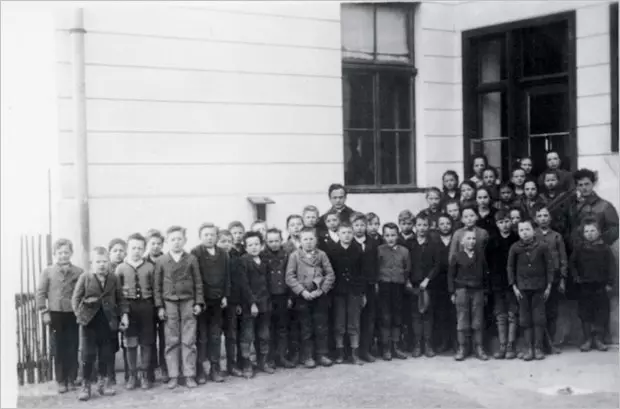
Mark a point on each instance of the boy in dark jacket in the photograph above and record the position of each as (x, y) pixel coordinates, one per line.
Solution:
(348, 294)
(555, 243)
(505, 307)
(179, 299)
(136, 279)
(424, 259)
(394, 265)
(556, 200)
(405, 224)
(328, 238)
(95, 301)
(373, 226)
(592, 264)
(275, 258)
(310, 276)
(154, 245)
(467, 282)
(530, 274)
(231, 314)
(433, 211)
(117, 250)
(369, 246)
(56, 286)
(214, 268)
(444, 312)
(255, 305)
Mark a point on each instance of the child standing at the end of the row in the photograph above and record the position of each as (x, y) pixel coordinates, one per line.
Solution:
(56, 286)
(592, 264)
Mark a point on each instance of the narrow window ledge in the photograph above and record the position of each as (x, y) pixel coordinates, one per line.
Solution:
(383, 189)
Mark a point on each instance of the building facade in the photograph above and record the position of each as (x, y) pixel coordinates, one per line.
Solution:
(193, 108)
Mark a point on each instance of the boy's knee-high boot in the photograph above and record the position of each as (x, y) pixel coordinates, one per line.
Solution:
(598, 332)
(132, 363)
(501, 334)
(551, 330)
(539, 338)
(397, 352)
(512, 338)
(416, 335)
(479, 346)
(461, 339)
(281, 359)
(529, 350)
(231, 360)
(428, 339)
(308, 354)
(146, 359)
(587, 337)
(387, 350)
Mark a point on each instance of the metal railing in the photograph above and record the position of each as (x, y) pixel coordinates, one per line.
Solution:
(34, 344)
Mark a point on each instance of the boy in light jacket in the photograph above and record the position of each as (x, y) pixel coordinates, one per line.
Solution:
(310, 276)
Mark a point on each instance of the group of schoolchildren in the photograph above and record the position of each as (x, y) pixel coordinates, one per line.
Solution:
(340, 287)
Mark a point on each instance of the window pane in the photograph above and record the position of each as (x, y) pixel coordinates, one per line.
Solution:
(540, 145)
(395, 158)
(494, 115)
(392, 34)
(548, 112)
(394, 101)
(359, 158)
(357, 30)
(498, 153)
(545, 49)
(357, 93)
(491, 61)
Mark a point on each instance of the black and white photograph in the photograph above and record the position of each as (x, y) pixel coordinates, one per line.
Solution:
(310, 204)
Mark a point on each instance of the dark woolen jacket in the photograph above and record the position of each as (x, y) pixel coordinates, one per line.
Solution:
(424, 260)
(215, 272)
(276, 270)
(440, 282)
(468, 272)
(370, 263)
(253, 283)
(530, 265)
(348, 268)
(497, 251)
(593, 263)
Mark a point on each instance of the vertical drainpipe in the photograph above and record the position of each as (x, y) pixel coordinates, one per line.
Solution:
(77, 33)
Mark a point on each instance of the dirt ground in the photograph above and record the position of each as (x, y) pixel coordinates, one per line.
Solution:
(439, 382)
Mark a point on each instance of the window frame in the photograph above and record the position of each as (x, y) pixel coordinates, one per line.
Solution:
(376, 68)
(513, 83)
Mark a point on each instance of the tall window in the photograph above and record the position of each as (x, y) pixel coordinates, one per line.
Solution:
(518, 90)
(378, 79)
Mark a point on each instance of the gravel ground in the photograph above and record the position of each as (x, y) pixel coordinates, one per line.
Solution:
(421, 383)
